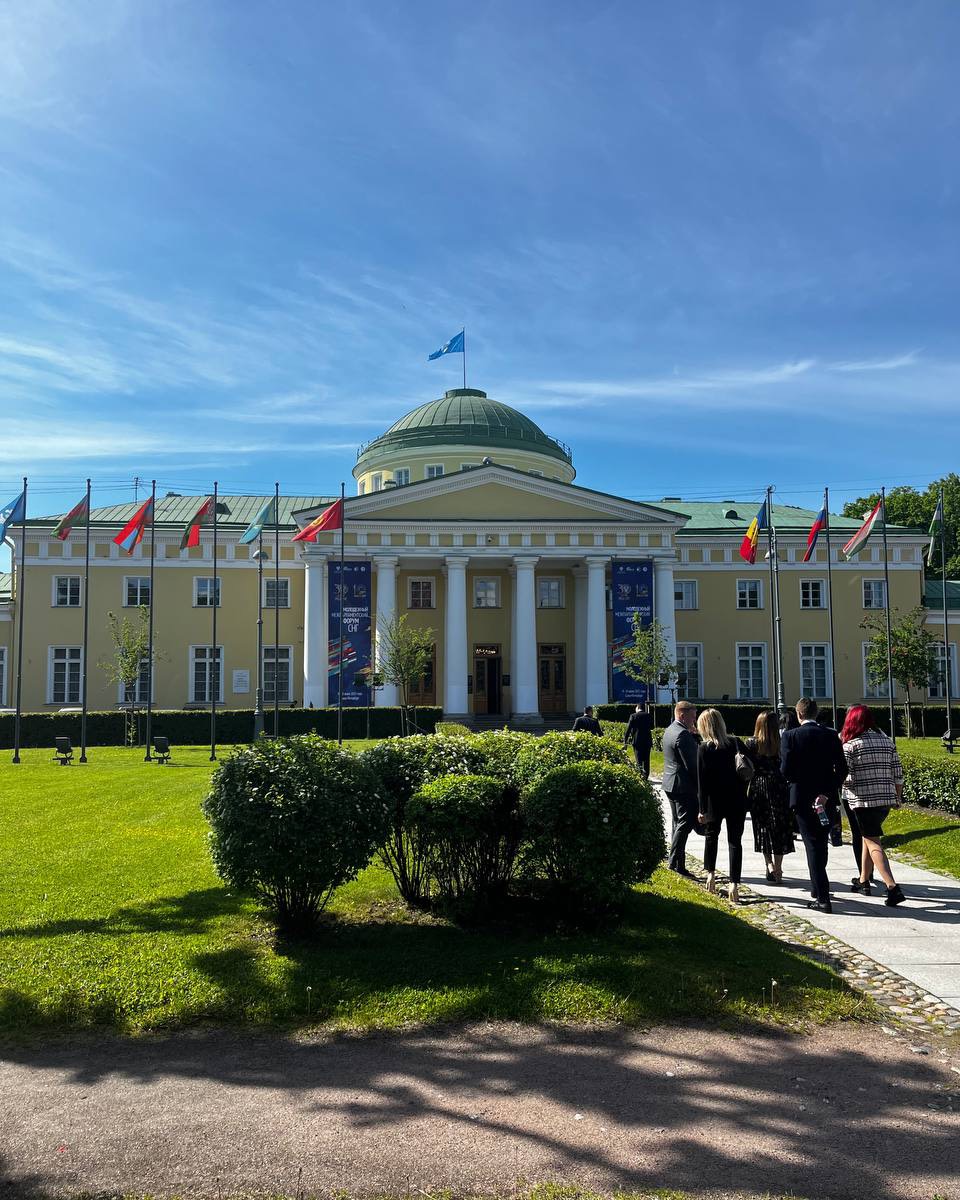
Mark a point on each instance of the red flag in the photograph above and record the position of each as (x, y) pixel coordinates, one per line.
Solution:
(78, 515)
(203, 516)
(132, 533)
(330, 518)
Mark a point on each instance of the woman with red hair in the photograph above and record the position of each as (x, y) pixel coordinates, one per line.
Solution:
(873, 786)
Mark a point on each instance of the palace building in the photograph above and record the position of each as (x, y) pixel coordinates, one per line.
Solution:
(467, 518)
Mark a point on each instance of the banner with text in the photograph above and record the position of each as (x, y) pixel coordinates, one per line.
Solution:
(353, 592)
(632, 586)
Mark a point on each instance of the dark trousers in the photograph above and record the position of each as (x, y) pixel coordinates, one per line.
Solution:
(816, 840)
(643, 760)
(854, 834)
(683, 810)
(711, 843)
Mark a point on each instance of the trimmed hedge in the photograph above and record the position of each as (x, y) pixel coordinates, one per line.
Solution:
(740, 718)
(931, 782)
(541, 754)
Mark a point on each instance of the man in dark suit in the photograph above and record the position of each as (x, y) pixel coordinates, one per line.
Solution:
(587, 723)
(813, 764)
(639, 735)
(680, 743)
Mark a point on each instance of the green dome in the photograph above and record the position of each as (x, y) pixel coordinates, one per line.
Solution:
(465, 417)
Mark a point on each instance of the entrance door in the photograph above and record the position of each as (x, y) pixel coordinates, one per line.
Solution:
(423, 693)
(486, 679)
(553, 678)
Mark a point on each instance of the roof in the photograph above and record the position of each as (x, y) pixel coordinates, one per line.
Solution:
(932, 594)
(711, 517)
(465, 417)
(177, 510)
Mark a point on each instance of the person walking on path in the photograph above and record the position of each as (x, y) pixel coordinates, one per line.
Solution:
(873, 786)
(680, 780)
(767, 796)
(639, 734)
(587, 723)
(814, 767)
(721, 796)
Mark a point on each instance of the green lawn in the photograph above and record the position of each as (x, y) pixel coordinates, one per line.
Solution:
(926, 748)
(927, 835)
(110, 913)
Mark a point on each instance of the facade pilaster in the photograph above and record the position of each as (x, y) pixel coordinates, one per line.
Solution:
(664, 612)
(386, 566)
(597, 672)
(455, 638)
(526, 694)
(580, 638)
(315, 633)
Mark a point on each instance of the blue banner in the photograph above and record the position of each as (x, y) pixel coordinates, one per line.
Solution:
(353, 592)
(632, 586)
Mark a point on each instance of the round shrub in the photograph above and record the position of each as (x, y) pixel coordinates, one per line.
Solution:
(543, 754)
(501, 749)
(592, 829)
(292, 820)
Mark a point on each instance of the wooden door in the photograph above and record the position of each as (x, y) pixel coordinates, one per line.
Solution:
(424, 691)
(553, 678)
(486, 679)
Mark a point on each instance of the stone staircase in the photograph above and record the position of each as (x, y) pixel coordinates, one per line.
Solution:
(481, 722)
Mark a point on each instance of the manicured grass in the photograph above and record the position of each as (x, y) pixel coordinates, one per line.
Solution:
(927, 835)
(926, 748)
(111, 913)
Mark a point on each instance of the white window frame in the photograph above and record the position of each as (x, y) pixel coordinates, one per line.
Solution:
(363, 487)
(873, 691)
(51, 655)
(191, 678)
(285, 583)
(263, 667)
(376, 481)
(196, 591)
(684, 693)
(54, 582)
(3, 676)
(495, 580)
(764, 681)
(422, 579)
(679, 604)
(121, 690)
(433, 471)
(401, 476)
(749, 583)
(938, 651)
(823, 595)
(141, 579)
(825, 647)
(881, 585)
(561, 591)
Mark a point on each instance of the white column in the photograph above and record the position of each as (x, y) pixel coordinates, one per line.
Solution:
(664, 612)
(455, 639)
(579, 637)
(513, 639)
(386, 612)
(597, 653)
(527, 697)
(315, 634)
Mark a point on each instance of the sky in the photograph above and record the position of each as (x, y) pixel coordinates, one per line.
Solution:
(712, 246)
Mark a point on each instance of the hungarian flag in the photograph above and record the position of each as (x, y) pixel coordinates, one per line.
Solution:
(266, 516)
(12, 513)
(330, 518)
(814, 533)
(748, 547)
(78, 515)
(859, 539)
(132, 533)
(204, 516)
(936, 527)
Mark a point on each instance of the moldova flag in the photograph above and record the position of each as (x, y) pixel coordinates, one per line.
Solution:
(814, 533)
(748, 547)
(132, 533)
(78, 515)
(330, 518)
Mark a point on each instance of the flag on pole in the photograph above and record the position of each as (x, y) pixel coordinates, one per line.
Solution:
(748, 547)
(204, 516)
(132, 533)
(454, 346)
(859, 539)
(936, 527)
(330, 518)
(814, 534)
(78, 515)
(266, 516)
(12, 513)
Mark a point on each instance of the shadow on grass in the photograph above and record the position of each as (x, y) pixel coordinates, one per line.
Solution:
(191, 913)
(892, 840)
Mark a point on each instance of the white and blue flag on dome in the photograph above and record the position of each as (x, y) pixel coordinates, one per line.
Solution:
(11, 513)
(454, 346)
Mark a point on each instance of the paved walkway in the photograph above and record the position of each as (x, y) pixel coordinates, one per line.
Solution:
(919, 940)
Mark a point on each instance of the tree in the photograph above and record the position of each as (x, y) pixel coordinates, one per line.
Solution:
(406, 653)
(907, 506)
(131, 648)
(649, 658)
(912, 653)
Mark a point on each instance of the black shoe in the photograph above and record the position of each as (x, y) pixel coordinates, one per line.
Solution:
(826, 907)
(894, 896)
(863, 888)
(683, 872)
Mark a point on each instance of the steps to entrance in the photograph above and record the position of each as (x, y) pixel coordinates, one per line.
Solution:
(482, 722)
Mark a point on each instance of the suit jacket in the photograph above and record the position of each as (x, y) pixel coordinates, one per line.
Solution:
(639, 731)
(585, 724)
(680, 759)
(813, 763)
(719, 792)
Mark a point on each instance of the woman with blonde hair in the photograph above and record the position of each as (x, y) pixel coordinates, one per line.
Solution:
(722, 797)
(768, 796)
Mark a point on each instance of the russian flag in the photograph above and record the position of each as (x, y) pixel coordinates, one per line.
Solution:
(814, 533)
(132, 533)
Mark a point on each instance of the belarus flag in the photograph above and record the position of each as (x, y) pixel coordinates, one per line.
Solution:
(132, 533)
(859, 539)
(78, 515)
(205, 515)
(330, 518)
(748, 547)
(814, 533)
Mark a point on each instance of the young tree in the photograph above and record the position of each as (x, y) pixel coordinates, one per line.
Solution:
(649, 657)
(912, 653)
(405, 656)
(131, 645)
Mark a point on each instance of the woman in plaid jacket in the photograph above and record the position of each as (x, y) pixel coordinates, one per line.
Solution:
(873, 786)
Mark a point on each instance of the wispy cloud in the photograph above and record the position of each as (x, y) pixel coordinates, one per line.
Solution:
(879, 364)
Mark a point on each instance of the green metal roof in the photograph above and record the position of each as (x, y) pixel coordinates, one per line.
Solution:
(711, 517)
(932, 594)
(465, 417)
(179, 510)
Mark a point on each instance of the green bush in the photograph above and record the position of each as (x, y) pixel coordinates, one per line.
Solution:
(501, 749)
(592, 829)
(931, 782)
(542, 754)
(453, 729)
(291, 820)
(470, 829)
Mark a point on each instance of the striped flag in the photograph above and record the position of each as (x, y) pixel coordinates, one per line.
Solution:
(78, 515)
(12, 513)
(936, 527)
(132, 533)
(205, 515)
(266, 516)
(748, 547)
(859, 539)
(330, 518)
(814, 534)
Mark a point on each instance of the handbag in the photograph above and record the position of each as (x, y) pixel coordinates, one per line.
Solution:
(742, 764)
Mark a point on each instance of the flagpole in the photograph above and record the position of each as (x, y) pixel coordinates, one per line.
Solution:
(886, 588)
(773, 619)
(215, 667)
(464, 358)
(833, 661)
(153, 558)
(20, 606)
(258, 703)
(86, 629)
(948, 736)
(343, 538)
(276, 609)
(781, 706)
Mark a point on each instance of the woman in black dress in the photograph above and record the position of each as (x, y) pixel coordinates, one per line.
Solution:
(722, 797)
(769, 796)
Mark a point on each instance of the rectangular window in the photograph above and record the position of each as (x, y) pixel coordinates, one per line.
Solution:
(689, 672)
(815, 669)
(203, 592)
(401, 476)
(139, 692)
(751, 670)
(749, 593)
(685, 594)
(549, 593)
(433, 471)
(873, 690)
(874, 593)
(66, 591)
(276, 674)
(136, 590)
(205, 674)
(66, 667)
(813, 593)
(938, 680)
(363, 487)
(420, 593)
(486, 593)
(3, 675)
(376, 482)
(276, 592)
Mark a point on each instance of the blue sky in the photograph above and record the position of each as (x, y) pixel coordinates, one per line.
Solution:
(711, 246)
